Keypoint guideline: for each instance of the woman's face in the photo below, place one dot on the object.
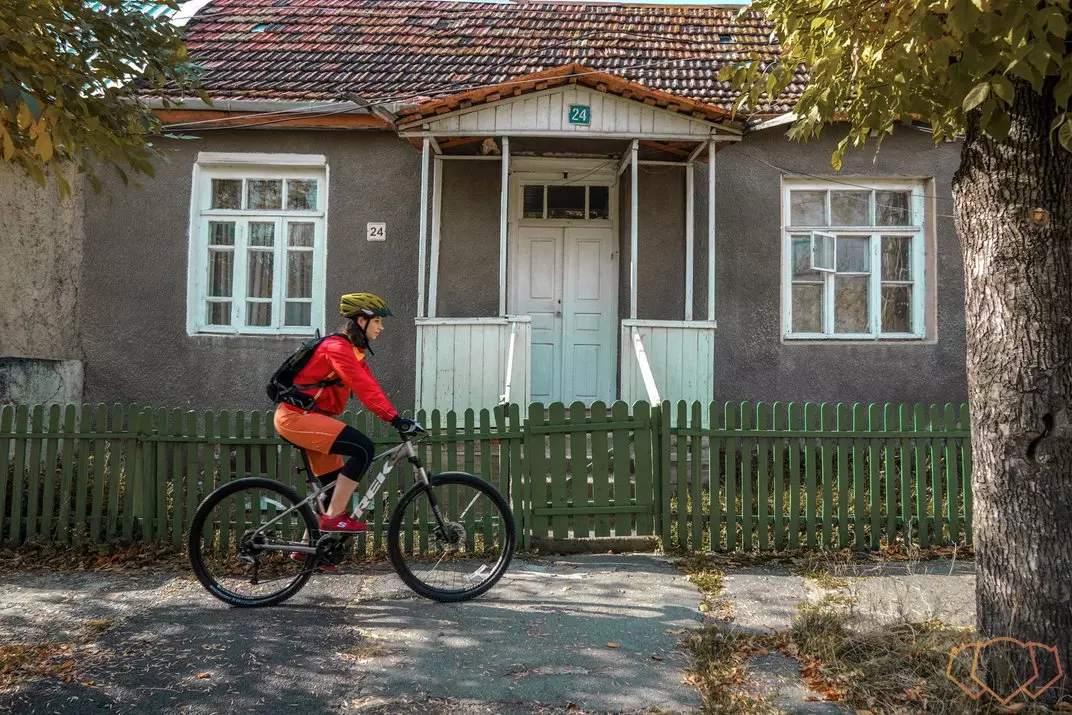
(373, 327)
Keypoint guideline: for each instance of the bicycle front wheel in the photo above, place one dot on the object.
(464, 556)
(241, 539)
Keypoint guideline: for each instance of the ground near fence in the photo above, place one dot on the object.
(594, 633)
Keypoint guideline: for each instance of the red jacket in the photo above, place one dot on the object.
(337, 357)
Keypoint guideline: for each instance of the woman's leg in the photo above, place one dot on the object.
(355, 445)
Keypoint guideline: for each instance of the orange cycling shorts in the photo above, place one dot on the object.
(313, 431)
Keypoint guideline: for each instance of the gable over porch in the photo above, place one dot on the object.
(568, 146)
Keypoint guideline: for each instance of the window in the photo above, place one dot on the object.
(257, 249)
(565, 201)
(854, 259)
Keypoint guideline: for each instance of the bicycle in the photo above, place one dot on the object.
(245, 532)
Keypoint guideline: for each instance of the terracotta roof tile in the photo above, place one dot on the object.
(408, 51)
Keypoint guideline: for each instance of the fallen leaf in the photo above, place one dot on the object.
(1065, 707)
(863, 712)
(202, 676)
(614, 645)
(1014, 708)
(676, 631)
(656, 657)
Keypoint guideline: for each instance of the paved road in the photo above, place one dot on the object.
(362, 643)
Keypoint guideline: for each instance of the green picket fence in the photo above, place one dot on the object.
(719, 476)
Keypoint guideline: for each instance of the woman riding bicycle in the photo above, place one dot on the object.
(340, 368)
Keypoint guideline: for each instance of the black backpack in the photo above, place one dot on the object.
(281, 387)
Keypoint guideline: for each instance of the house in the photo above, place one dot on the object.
(556, 199)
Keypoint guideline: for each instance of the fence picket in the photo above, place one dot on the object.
(33, 472)
(578, 496)
(714, 481)
(935, 449)
(795, 424)
(536, 455)
(731, 477)
(487, 527)
(874, 456)
(645, 468)
(763, 422)
(952, 492)
(826, 470)
(115, 458)
(920, 480)
(889, 424)
(965, 447)
(601, 468)
(859, 473)
(7, 420)
(67, 476)
(81, 497)
(843, 427)
(51, 473)
(811, 421)
(683, 474)
(100, 457)
(556, 415)
(696, 478)
(779, 422)
(905, 453)
(22, 419)
(747, 507)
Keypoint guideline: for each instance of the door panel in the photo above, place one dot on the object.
(589, 314)
(539, 294)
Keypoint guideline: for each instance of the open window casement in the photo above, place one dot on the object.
(823, 251)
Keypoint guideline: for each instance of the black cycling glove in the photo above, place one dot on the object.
(406, 427)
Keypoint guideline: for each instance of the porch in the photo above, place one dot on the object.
(568, 150)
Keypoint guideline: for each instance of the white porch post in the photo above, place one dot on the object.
(503, 220)
(633, 214)
(421, 268)
(711, 231)
(437, 215)
(690, 237)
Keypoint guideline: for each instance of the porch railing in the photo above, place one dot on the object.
(680, 356)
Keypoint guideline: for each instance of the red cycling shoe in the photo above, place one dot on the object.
(342, 522)
(300, 558)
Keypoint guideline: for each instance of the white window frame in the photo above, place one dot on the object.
(214, 165)
(917, 230)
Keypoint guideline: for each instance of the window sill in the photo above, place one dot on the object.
(854, 339)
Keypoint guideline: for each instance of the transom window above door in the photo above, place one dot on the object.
(257, 249)
(551, 201)
(853, 260)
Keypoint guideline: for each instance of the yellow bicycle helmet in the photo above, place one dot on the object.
(363, 305)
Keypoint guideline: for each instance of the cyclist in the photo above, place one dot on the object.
(325, 438)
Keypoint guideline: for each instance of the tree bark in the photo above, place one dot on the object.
(1013, 213)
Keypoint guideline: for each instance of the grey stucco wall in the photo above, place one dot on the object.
(468, 276)
(133, 316)
(35, 381)
(751, 360)
(41, 250)
(133, 302)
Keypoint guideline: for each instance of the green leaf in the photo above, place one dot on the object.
(1003, 88)
(1065, 135)
(999, 126)
(1040, 58)
(1063, 91)
(977, 96)
(8, 146)
(43, 145)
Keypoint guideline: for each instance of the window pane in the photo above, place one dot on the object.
(261, 233)
(301, 194)
(853, 254)
(896, 254)
(221, 233)
(301, 234)
(598, 202)
(298, 314)
(802, 259)
(807, 208)
(891, 208)
(226, 193)
(850, 208)
(850, 304)
(565, 202)
(897, 309)
(807, 307)
(220, 273)
(260, 274)
(264, 194)
(533, 202)
(218, 313)
(259, 314)
(300, 274)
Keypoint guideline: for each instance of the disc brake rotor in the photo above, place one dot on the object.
(453, 536)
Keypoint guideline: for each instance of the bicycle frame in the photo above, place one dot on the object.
(401, 453)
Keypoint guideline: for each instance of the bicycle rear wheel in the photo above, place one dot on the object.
(240, 545)
(464, 558)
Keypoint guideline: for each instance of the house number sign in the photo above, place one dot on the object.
(580, 114)
(377, 231)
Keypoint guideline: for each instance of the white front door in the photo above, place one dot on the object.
(564, 278)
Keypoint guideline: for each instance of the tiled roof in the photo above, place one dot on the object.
(408, 51)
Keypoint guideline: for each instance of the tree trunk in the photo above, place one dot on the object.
(1013, 211)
